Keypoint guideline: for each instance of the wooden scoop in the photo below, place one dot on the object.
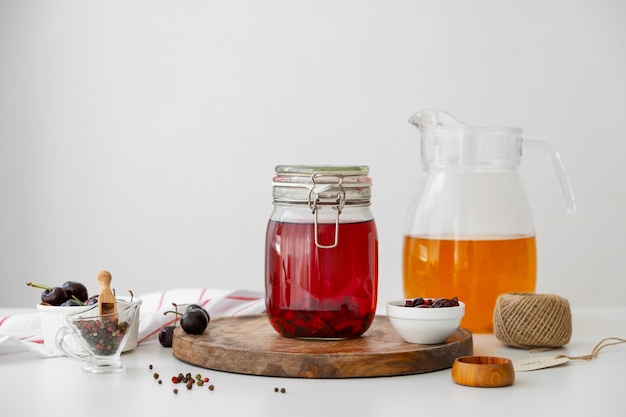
(106, 299)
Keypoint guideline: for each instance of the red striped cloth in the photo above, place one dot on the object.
(23, 330)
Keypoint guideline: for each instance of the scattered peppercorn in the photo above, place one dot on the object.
(275, 389)
(282, 390)
(187, 379)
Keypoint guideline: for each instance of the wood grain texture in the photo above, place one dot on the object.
(483, 371)
(249, 345)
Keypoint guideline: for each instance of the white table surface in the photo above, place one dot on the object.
(36, 386)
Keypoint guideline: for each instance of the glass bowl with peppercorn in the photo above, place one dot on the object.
(425, 320)
(53, 317)
(101, 336)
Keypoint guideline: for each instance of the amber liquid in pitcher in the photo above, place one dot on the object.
(475, 271)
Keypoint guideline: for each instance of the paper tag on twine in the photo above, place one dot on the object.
(532, 364)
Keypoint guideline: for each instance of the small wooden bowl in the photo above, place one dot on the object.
(483, 371)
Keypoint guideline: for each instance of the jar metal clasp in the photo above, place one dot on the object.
(314, 200)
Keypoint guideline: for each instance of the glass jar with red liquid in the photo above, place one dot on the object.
(321, 253)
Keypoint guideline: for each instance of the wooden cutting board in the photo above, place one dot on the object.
(250, 345)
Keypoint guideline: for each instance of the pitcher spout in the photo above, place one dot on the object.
(435, 119)
(446, 143)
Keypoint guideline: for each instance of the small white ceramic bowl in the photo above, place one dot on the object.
(424, 325)
(52, 319)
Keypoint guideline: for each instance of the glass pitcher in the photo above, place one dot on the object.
(469, 231)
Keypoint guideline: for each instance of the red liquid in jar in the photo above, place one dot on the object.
(313, 292)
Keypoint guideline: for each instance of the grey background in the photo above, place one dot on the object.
(141, 136)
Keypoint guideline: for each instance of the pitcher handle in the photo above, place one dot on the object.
(549, 152)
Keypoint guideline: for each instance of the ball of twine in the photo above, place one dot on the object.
(528, 320)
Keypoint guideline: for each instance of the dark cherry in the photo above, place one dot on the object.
(70, 302)
(54, 296)
(198, 307)
(166, 335)
(76, 289)
(194, 321)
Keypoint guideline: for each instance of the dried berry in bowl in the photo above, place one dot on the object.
(421, 302)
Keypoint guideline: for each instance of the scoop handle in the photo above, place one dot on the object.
(106, 299)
